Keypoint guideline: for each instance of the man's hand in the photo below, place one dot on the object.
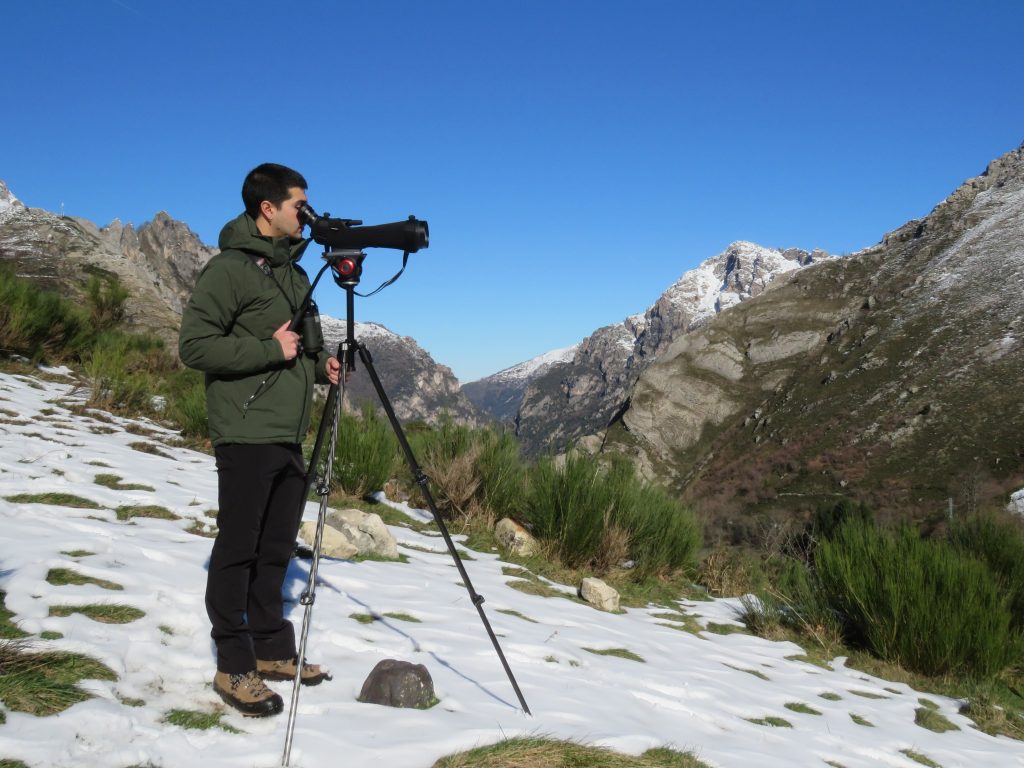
(333, 369)
(288, 340)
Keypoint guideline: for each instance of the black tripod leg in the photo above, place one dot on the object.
(421, 480)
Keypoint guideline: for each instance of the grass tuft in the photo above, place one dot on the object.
(45, 683)
(60, 577)
(199, 721)
(917, 757)
(57, 499)
(933, 720)
(538, 752)
(622, 653)
(114, 483)
(105, 614)
(127, 512)
(802, 708)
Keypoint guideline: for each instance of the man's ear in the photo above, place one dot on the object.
(267, 208)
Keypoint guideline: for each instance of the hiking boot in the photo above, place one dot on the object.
(284, 669)
(248, 694)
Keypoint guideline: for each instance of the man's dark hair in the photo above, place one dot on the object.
(269, 181)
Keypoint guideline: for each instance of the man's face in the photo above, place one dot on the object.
(284, 221)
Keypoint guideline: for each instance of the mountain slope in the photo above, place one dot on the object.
(892, 376)
(570, 399)
(419, 388)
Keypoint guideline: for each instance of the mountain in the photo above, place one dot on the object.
(891, 376)
(419, 388)
(500, 394)
(567, 397)
(159, 264)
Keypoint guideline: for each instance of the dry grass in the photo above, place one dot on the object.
(44, 683)
(547, 753)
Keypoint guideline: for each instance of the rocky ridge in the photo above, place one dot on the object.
(570, 399)
(158, 263)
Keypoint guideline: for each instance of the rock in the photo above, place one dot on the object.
(513, 537)
(599, 595)
(395, 683)
(365, 530)
(1016, 505)
(350, 532)
(333, 544)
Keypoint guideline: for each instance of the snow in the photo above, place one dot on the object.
(534, 365)
(337, 328)
(7, 200)
(695, 692)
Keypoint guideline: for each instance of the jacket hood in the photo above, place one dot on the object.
(241, 234)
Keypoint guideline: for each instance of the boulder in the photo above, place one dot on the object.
(350, 532)
(599, 595)
(1016, 505)
(514, 538)
(333, 544)
(395, 683)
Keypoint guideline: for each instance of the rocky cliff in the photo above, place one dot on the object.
(418, 387)
(567, 400)
(891, 376)
(158, 263)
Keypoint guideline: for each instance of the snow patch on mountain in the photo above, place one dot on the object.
(8, 201)
(535, 365)
(337, 328)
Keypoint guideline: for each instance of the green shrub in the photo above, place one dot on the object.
(828, 518)
(999, 543)
(502, 474)
(366, 453)
(124, 370)
(922, 604)
(40, 324)
(599, 517)
(186, 402)
(105, 299)
(570, 506)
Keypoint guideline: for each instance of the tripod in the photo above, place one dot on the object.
(347, 268)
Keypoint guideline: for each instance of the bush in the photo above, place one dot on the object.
(922, 604)
(125, 370)
(999, 543)
(105, 299)
(471, 470)
(598, 518)
(502, 474)
(827, 519)
(186, 402)
(570, 505)
(366, 453)
(40, 324)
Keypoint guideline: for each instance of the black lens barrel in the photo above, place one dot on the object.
(410, 235)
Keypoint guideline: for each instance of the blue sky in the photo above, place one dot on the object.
(573, 158)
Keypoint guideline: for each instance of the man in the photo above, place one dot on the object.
(259, 390)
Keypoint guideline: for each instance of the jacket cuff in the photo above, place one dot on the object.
(274, 352)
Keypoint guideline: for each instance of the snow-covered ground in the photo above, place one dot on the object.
(692, 692)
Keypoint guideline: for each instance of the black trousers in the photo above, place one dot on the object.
(260, 487)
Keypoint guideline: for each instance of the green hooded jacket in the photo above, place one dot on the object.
(253, 395)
